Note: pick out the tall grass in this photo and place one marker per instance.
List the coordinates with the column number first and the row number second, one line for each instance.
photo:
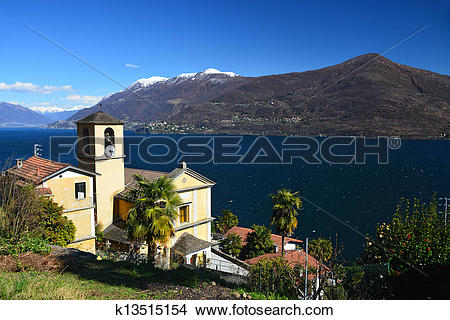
column 39, row 286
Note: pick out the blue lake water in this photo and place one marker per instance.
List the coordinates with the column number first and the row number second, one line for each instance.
column 360, row 195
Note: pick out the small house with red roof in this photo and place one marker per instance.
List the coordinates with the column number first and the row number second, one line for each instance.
column 294, row 255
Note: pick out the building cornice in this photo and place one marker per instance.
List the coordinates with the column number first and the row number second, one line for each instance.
column 193, row 224
column 195, row 188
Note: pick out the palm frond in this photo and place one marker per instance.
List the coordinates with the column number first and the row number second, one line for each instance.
column 155, row 209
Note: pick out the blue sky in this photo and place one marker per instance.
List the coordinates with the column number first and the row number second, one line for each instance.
column 167, row 38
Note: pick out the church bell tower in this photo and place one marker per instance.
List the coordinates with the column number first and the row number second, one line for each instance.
column 100, row 150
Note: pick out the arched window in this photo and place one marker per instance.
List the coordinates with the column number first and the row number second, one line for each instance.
column 86, row 142
column 109, row 137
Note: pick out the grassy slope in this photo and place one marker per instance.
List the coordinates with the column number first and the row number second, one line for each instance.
column 108, row 280
column 50, row 285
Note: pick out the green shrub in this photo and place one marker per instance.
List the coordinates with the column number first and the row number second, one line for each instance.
column 417, row 235
column 25, row 244
column 56, row 228
column 274, row 275
column 99, row 233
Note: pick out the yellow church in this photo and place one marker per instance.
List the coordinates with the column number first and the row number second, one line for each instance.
column 94, row 192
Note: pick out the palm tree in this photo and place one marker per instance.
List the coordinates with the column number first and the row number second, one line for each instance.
column 227, row 221
column 154, row 212
column 232, row 244
column 284, row 214
column 259, row 242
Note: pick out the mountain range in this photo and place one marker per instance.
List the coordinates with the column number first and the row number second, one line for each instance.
column 56, row 113
column 14, row 115
column 367, row 95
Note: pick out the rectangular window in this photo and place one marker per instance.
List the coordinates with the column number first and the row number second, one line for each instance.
column 184, row 214
column 80, row 190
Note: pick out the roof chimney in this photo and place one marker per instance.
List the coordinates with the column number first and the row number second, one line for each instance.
column 19, row 163
column 183, row 165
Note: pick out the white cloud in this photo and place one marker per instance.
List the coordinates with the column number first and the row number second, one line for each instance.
column 129, row 65
column 30, row 87
column 84, row 99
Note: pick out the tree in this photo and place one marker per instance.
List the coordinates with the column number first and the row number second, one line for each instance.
column 154, row 212
column 259, row 242
column 227, row 221
column 274, row 275
column 19, row 207
column 232, row 244
column 321, row 249
column 416, row 236
column 284, row 215
column 56, row 228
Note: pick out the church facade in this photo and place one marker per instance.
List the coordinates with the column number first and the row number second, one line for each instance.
column 95, row 191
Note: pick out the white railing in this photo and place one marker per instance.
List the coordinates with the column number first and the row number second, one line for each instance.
column 224, row 266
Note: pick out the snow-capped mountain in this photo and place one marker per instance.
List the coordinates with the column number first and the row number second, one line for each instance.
column 380, row 98
column 155, row 97
column 211, row 72
column 215, row 71
column 14, row 115
column 57, row 113
column 145, row 82
column 56, row 109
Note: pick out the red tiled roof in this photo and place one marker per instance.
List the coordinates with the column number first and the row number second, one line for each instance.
column 35, row 169
column 294, row 257
column 243, row 233
column 240, row 231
